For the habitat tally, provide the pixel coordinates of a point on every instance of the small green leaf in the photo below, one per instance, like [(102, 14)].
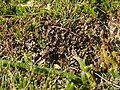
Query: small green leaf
[(91, 80), (80, 61), (69, 85), (84, 78), (114, 73), (88, 68), (1, 20), (114, 54)]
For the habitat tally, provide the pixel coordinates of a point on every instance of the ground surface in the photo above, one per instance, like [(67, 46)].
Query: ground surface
[(60, 45)]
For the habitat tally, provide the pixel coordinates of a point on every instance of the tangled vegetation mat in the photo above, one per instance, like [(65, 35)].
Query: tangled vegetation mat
[(60, 45)]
